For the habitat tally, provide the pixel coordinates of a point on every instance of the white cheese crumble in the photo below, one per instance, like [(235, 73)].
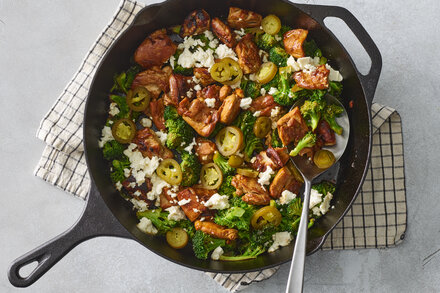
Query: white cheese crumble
[(139, 205), (325, 205), (114, 110), (224, 51), (210, 102), (280, 239), (190, 147), (217, 253), (140, 166), (315, 198), (183, 202), (175, 213), (286, 197), (253, 160), (189, 94), (157, 185), (146, 226), (172, 61), (145, 122), (264, 177), (217, 202), (118, 185), (275, 112), (262, 91), (293, 64), (245, 103), (162, 136), (198, 58), (132, 184), (137, 193), (334, 75), (197, 87), (106, 135), (263, 55), (257, 113), (273, 90)]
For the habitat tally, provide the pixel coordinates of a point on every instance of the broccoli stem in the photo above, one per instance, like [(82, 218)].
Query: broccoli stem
[(307, 141)]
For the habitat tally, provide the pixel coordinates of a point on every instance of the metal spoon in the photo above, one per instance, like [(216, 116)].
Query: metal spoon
[(309, 172)]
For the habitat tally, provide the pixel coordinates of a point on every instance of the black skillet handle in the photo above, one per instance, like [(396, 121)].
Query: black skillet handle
[(96, 220), (369, 81)]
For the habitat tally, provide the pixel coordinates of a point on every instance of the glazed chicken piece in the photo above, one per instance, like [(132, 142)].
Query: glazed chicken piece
[(264, 104), (274, 158), (223, 32), (325, 133), (293, 42), (202, 74), (210, 92), (198, 115), (239, 18), (194, 208), (313, 80), (291, 127), (205, 150), (195, 23), (225, 91), (138, 192), (157, 108), (149, 144), (253, 192), (231, 107), (284, 180), (155, 80), (215, 230), (155, 50), (204, 194), (166, 200), (248, 57), (179, 86)]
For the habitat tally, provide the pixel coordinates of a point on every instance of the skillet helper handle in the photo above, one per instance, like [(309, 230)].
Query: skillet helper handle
[(370, 80), (96, 220)]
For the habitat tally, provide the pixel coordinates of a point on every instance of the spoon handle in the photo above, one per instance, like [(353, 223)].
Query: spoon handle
[(296, 274)]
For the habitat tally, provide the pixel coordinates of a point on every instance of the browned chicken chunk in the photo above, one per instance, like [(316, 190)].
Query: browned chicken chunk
[(313, 80), (205, 150), (325, 133), (157, 108), (231, 107), (202, 74), (284, 180), (225, 91), (223, 32), (155, 50), (239, 18), (248, 57), (264, 104), (216, 231), (149, 144), (166, 200), (210, 92), (291, 127), (293, 42), (253, 193), (204, 194), (179, 86), (138, 192), (155, 80), (195, 23), (198, 115), (194, 207), (273, 158)]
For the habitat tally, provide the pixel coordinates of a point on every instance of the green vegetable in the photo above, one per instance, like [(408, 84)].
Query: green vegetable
[(112, 150), (250, 88), (253, 144), (219, 126), (117, 174), (311, 49), (188, 226), (283, 94), (310, 94), (178, 69), (123, 81), (237, 216), (284, 29), (330, 114), (324, 187), (124, 110), (266, 41), (312, 111), (226, 188), (273, 83), (203, 244), (278, 56), (307, 141), (275, 139), (159, 219), (245, 121), (180, 134), (222, 162), (335, 88), (191, 167)]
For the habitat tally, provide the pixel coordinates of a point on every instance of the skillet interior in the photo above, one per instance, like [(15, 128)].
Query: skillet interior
[(353, 163)]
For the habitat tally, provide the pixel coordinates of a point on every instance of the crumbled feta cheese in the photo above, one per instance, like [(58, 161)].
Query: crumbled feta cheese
[(157, 184), (280, 239), (175, 213), (146, 226), (198, 58), (162, 136), (210, 102), (172, 61), (139, 205), (213, 44), (127, 172), (217, 253), (140, 166), (273, 90), (262, 91), (316, 211), (137, 193), (145, 122), (194, 79), (253, 160), (224, 51), (245, 103), (114, 110), (197, 87), (118, 185), (106, 135), (303, 61), (325, 205), (217, 202), (286, 197), (278, 38), (264, 177), (240, 32), (263, 55), (189, 94), (257, 113), (334, 75), (275, 112), (190, 147), (293, 64), (209, 35), (183, 202), (315, 198), (132, 184)]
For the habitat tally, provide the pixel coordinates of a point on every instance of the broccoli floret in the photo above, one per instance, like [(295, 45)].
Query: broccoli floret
[(180, 134), (124, 110), (273, 83), (222, 162), (278, 56), (275, 139), (283, 95), (291, 216), (307, 141), (335, 88), (324, 187), (117, 174), (219, 126), (191, 167), (188, 226), (203, 244), (330, 114), (253, 144), (238, 215), (123, 81), (312, 111), (112, 150), (250, 88), (159, 219), (245, 121), (178, 69), (311, 49), (284, 29), (266, 41), (226, 188)]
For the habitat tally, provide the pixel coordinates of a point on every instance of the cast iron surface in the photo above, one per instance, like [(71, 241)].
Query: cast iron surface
[(106, 213)]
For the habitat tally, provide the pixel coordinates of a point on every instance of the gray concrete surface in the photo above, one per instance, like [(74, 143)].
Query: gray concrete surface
[(41, 45)]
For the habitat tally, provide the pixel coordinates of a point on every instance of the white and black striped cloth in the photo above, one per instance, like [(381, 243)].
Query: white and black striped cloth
[(376, 220)]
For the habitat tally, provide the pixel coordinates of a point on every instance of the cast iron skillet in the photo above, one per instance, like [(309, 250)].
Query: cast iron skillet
[(107, 214)]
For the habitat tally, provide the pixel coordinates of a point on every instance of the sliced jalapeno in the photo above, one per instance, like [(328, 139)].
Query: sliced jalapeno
[(268, 215), (211, 176), (138, 99), (169, 170), (271, 24), (267, 72), (124, 130), (262, 127)]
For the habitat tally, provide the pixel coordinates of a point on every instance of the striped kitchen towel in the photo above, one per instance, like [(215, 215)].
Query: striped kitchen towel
[(377, 218)]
